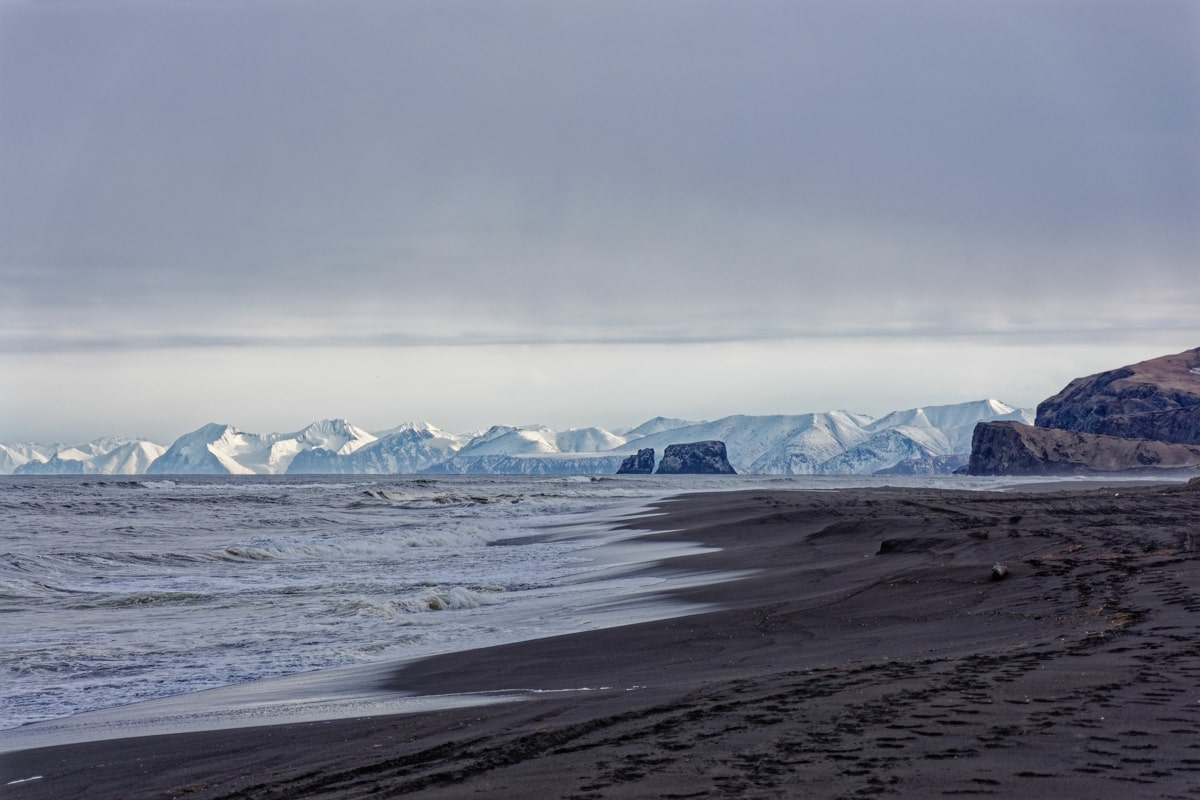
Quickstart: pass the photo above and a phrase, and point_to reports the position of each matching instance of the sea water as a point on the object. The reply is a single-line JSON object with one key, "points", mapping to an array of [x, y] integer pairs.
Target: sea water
{"points": [[119, 590]]}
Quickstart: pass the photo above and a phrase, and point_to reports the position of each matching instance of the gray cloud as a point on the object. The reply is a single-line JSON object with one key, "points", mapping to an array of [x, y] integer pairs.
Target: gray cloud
{"points": [[293, 174]]}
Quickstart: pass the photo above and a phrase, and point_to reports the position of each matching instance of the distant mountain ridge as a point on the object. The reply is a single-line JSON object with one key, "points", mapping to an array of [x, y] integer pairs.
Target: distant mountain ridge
{"points": [[107, 456], [925, 440]]}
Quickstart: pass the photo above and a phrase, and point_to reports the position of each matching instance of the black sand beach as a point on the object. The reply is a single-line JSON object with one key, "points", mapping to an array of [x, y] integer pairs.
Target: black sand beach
{"points": [[871, 653]]}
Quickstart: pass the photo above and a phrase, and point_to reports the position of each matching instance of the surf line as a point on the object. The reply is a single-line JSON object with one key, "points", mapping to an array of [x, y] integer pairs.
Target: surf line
{"points": [[24, 780]]}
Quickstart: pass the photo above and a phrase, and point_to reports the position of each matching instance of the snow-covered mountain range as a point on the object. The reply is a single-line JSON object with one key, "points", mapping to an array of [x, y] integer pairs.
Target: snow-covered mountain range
{"points": [[107, 456], [224, 450], [930, 439]]}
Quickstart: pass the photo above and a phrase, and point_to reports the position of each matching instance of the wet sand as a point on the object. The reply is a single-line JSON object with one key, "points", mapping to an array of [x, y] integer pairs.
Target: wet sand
{"points": [[869, 653]]}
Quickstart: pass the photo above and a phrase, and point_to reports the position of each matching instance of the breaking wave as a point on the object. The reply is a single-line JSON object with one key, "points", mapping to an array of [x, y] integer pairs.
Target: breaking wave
{"points": [[416, 501], [376, 546], [435, 598], [146, 598]]}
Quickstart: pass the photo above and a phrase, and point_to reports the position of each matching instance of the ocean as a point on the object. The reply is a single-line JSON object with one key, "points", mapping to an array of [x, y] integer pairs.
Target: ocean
{"points": [[120, 590]]}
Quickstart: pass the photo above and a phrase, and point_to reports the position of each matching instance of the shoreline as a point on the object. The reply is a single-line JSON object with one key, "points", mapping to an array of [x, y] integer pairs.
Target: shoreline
{"points": [[357, 690], [868, 650]]}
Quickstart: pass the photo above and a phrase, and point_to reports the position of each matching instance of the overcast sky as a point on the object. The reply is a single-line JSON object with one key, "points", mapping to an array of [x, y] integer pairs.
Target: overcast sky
{"points": [[584, 213]]}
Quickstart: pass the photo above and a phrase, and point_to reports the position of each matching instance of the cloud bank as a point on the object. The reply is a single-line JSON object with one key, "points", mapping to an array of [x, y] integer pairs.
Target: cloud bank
{"points": [[362, 181]]}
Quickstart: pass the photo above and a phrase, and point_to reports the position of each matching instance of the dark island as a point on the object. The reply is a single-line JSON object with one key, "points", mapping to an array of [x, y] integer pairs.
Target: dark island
{"points": [[696, 458]]}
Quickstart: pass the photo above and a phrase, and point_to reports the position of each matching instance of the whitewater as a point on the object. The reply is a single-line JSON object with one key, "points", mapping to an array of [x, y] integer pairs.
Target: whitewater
{"points": [[117, 591]]}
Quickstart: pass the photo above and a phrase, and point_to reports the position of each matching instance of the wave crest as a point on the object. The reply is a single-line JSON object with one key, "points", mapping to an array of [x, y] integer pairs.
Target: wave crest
{"points": [[431, 598]]}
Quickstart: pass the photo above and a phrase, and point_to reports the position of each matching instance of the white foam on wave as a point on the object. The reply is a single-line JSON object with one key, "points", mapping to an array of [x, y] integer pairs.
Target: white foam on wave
{"points": [[310, 697]]}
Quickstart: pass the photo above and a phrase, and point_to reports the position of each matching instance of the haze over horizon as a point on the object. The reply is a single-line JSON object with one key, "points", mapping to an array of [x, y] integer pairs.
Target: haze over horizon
{"points": [[516, 212]]}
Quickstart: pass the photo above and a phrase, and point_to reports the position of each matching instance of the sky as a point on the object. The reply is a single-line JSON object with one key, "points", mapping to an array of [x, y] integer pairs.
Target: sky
{"points": [[583, 213]]}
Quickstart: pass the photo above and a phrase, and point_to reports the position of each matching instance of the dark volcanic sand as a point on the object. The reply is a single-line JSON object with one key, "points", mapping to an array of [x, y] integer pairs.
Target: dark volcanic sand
{"points": [[870, 655]]}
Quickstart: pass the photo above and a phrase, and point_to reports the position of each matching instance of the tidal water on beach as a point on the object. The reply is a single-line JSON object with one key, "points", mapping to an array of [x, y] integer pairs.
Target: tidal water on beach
{"points": [[118, 590]]}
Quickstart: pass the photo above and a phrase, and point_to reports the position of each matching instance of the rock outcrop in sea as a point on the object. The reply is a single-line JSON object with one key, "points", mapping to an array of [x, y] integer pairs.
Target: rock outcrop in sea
{"points": [[640, 463], [696, 458], [1140, 418]]}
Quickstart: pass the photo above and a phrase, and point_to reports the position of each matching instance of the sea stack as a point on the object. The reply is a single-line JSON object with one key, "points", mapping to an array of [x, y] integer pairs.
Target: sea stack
{"points": [[696, 458], [640, 464]]}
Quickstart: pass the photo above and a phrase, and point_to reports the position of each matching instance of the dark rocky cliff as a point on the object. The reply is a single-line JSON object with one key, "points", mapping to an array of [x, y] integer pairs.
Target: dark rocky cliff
{"points": [[1010, 448], [1142, 418], [1155, 399], [696, 458], [642, 463]]}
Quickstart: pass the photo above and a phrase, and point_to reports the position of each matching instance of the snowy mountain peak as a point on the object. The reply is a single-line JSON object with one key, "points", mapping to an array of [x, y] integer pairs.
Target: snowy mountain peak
{"points": [[419, 427], [998, 408], [336, 435], [587, 440], [405, 449], [132, 458], [217, 449], [210, 432], [502, 440], [208, 450], [507, 440], [658, 425], [956, 415]]}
